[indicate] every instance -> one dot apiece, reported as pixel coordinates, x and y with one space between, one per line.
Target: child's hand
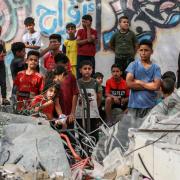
71 118
36 109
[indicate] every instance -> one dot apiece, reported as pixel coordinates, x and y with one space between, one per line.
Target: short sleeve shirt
124 43
115 88
88 49
143 98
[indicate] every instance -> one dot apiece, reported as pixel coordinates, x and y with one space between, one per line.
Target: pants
84 58
3 79
123 62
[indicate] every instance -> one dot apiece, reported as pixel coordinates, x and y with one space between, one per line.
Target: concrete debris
33 144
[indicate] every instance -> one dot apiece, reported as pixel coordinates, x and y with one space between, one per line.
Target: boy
167 87
86 41
18 63
3 76
123 43
144 79
69 89
117 92
91 88
31 39
50 52
70 46
28 83
99 79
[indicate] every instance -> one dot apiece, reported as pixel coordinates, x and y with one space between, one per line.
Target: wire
145 166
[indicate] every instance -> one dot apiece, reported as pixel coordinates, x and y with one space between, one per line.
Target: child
124 44
3 76
28 83
99 79
89 86
117 93
70 46
50 52
86 40
32 38
45 102
69 89
167 87
18 63
144 79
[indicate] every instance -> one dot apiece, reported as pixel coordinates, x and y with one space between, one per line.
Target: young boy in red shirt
86 41
117 92
28 83
50 52
69 90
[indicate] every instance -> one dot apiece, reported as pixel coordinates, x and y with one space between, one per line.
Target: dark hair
35 53
55 36
2 48
17 46
70 25
84 63
98 74
169 74
146 42
115 66
57 71
123 17
87 17
28 20
167 85
61 58
49 83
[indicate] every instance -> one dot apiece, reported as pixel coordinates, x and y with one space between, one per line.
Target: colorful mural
158 20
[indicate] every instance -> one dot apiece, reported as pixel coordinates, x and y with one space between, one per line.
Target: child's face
86 23
2 55
59 78
145 52
116 73
32 61
99 80
21 53
55 44
30 27
51 92
124 24
63 65
71 31
86 71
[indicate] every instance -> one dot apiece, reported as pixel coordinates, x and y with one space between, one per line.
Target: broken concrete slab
36 143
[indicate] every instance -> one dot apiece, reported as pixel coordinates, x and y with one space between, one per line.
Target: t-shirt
32 39
71 50
115 88
40 100
17 65
88 49
124 43
49 62
68 90
28 86
92 88
143 98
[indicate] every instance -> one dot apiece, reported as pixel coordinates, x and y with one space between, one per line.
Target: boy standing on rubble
144 79
89 86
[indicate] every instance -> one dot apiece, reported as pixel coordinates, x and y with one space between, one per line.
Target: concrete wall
150 19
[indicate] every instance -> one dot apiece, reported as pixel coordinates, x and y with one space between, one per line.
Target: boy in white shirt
32 38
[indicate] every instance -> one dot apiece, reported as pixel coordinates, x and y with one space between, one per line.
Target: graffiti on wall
145 16
12 15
